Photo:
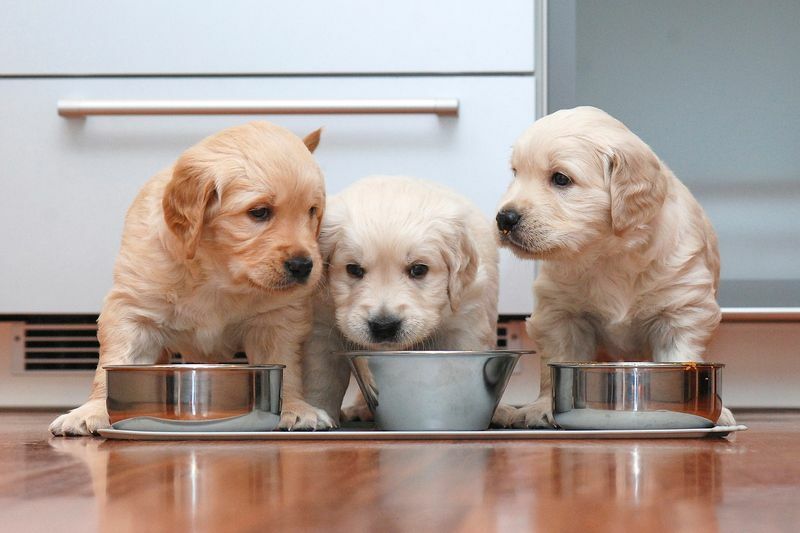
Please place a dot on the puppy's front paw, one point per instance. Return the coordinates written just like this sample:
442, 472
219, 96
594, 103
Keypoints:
358, 411
503, 416
726, 418
538, 414
298, 414
85, 420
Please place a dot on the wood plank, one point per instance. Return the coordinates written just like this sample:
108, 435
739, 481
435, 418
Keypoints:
745, 483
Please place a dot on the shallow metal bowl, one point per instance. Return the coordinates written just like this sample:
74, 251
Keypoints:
636, 395
189, 397
432, 391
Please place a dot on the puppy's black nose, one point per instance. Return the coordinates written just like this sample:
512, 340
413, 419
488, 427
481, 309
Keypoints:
507, 219
384, 328
299, 268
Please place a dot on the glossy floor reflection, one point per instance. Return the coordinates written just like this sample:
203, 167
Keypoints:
747, 483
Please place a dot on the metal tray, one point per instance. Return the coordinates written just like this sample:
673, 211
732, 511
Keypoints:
372, 434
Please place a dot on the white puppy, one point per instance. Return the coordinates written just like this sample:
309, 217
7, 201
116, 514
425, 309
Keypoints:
630, 265
409, 265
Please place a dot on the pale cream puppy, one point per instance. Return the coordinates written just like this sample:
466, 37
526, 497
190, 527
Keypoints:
219, 254
630, 266
410, 265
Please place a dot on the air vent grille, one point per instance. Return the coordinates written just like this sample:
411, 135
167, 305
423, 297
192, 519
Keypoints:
68, 343
511, 334
502, 336
60, 347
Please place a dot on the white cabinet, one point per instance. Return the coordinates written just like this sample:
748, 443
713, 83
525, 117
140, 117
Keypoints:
89, 37
68, 182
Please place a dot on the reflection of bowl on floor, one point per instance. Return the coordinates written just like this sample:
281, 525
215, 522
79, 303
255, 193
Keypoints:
189, 397
434, 390
636, 395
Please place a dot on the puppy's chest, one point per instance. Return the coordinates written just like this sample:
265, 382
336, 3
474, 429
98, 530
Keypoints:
206, 338
207, 328
614, 309
612, 300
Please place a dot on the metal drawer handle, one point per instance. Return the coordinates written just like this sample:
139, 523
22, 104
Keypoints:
761, 314
433, 106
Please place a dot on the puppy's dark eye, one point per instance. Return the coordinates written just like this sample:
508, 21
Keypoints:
514, 171
560, 180
418, 271
312, 212
260, 213
355, 270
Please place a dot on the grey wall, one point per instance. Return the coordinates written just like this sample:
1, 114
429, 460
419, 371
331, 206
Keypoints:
714, 88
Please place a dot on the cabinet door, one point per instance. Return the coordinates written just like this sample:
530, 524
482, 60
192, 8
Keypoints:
265, 37
68, 182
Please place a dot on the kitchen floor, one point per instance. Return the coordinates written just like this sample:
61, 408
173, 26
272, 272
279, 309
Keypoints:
747, 482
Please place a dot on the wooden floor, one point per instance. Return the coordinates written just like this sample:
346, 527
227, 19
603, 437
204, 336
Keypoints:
748, 483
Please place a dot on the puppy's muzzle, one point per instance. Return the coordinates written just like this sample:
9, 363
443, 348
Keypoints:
507, 220
299, 268
384, 328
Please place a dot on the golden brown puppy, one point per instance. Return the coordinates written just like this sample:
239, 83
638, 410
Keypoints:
219, 255
630, 265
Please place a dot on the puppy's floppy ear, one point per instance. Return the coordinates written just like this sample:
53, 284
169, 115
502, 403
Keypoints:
186, 198
461, 258
638, 185
312, 140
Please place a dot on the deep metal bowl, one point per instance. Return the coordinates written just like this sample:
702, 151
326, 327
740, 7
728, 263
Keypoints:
433, 391
188, 397
636, 395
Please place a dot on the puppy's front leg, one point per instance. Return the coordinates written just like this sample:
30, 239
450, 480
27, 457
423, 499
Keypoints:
682, 335
325, 375
360, 410
673, 342
538, 414
558, 337
278, 339
123, 340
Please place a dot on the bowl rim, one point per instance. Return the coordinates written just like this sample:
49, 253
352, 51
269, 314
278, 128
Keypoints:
194, 366
430, 353
633, 364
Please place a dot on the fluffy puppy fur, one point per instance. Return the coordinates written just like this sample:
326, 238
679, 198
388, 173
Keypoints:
409, 265
630, 266
219, 254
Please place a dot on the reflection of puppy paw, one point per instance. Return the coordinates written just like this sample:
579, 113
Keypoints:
300, 415
537, 415
84, 420
726, 418
359, 411
503, 416
77, 447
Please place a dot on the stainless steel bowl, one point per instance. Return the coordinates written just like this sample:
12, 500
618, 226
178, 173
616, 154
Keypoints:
636, 395
188, 397
433, 391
